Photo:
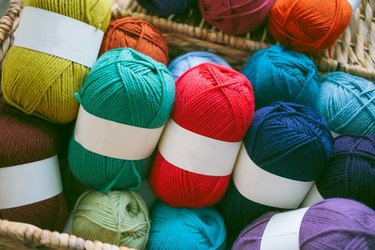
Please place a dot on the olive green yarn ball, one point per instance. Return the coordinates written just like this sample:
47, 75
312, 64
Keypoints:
116, 217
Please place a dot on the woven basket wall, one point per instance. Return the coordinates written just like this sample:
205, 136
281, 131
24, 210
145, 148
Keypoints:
354, 53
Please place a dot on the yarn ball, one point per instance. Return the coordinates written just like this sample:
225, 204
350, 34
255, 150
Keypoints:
287, 140
280, 74
235, 16
129, 88
138, 34
166, 7
26, 139
348, 103
191, 59
331, 224
42, 84
212, 101
185, 228
309, 26
117, 217
351, 171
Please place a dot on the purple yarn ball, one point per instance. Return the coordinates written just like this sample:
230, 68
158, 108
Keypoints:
333, 224
166, 7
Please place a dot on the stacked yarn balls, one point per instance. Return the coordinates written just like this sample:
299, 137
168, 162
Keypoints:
351, 171
189, 60
307, 25
235, 16
287, 140
184, 228
138, 34
125, 87
212, 101
116, 217
280, 74
331, 224
51, 79
348, 103
25, 140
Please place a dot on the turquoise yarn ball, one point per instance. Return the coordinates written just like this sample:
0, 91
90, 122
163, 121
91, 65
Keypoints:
185, 228
129, 88
348, 103
280, 74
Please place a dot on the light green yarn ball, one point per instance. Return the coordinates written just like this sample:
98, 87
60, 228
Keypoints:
117, 217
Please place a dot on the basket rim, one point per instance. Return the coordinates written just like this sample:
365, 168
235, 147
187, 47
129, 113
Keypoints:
32, 236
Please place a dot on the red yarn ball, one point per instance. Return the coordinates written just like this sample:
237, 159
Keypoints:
235, 16
212, 101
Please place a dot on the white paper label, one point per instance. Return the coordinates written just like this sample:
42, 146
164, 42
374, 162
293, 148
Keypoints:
282, 231
114, 139
354, 4
334, 134
29, 183
312, 197
58, 35
196, 153
266, 188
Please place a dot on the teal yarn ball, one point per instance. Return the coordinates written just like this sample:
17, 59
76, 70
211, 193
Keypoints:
348, 103
185, 228
280, 74
125, 87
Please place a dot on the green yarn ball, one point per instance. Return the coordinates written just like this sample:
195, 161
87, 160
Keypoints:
117, 217
130, 88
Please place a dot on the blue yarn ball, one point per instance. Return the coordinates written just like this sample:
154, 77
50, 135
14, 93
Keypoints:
191, 59
348, 103
287, 140
166, 7
280, 74
185, 228
125, 87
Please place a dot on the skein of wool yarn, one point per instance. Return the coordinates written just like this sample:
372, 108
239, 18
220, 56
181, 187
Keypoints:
286, 148
350, 173
126, 98
138, 34
235, 16
185, 228
308, 26
42, 84
213, 107
191, 59
30, 182
166, 7
348, 103
116, 217
331, 224
280, 74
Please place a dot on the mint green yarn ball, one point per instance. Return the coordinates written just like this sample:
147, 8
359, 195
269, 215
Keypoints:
130, 88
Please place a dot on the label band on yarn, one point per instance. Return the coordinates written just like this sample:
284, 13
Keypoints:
266, 188
113, 139
196, 153
312, 197
29, 183
58, 35
282, 231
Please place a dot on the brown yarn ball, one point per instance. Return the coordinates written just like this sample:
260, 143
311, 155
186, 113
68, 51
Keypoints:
138, 34
26, 139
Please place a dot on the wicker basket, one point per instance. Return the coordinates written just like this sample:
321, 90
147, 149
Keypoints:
354, 53
8, 25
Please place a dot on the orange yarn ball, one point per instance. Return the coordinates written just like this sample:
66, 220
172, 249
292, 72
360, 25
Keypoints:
138, 34
308, 25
